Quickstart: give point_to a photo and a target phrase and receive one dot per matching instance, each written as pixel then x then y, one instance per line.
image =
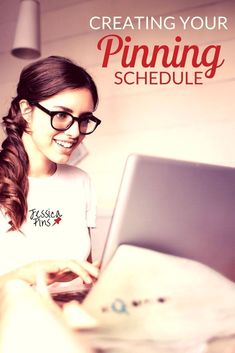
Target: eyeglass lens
pixel 63 121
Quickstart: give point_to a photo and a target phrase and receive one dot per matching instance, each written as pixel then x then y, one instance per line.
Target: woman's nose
pixel 73 131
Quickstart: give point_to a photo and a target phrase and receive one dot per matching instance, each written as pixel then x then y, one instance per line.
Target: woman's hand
pixel 72 269
pixel 55 271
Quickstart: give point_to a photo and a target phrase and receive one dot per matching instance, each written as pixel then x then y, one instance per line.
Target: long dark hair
pixel 38 81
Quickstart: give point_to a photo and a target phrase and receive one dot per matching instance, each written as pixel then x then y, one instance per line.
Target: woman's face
pixel 48 144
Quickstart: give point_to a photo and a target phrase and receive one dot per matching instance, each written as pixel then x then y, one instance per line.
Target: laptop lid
pixel 180 208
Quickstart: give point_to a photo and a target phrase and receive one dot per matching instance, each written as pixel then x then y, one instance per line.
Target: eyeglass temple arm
pixel 41 107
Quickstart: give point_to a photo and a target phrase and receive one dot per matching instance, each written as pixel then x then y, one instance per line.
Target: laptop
pixel 180 208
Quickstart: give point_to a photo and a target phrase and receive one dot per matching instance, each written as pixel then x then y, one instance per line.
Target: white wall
pixel 185 122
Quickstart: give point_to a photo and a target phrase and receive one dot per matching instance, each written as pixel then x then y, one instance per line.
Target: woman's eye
pixel 62 115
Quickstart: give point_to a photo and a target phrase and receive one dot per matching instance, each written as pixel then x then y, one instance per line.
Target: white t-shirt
pixel 61 208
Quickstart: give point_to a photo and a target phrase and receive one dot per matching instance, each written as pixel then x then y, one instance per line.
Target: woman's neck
pixel 41 171
pixel 39 164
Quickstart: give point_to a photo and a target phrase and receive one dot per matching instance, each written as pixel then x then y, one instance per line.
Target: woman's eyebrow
pixel 68 109
pixel 64 108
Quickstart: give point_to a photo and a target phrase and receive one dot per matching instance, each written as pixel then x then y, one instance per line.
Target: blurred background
pixel 184 122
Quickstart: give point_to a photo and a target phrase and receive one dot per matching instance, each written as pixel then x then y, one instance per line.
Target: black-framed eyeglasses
pixel 62 120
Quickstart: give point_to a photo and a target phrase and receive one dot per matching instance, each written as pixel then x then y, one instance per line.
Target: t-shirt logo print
pixel 45 217
pixel 57 220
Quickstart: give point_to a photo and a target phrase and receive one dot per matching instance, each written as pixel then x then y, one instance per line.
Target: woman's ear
pixel 25 109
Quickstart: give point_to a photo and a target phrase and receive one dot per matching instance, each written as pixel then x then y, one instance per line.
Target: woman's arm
pixel 54 270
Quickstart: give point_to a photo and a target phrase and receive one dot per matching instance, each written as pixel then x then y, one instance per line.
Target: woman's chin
pixel 62 159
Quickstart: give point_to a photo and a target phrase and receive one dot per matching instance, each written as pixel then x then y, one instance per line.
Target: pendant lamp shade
pixel 27 36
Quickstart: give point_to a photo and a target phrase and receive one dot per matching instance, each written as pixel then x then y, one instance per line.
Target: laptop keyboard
pixel 66 297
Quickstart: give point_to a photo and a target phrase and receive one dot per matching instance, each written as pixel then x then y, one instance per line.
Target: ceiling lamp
pixel 27 36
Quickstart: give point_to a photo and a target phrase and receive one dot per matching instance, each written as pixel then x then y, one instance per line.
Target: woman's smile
pixel 67 144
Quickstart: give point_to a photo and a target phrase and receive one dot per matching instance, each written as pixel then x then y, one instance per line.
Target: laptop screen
pixel 176 207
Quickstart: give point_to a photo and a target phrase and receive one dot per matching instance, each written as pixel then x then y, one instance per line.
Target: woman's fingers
pixel 96 263
pixel 66 270
pixel 92 269
pixel 85 270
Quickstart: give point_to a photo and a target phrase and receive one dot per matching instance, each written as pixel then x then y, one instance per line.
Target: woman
pixel 46 206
